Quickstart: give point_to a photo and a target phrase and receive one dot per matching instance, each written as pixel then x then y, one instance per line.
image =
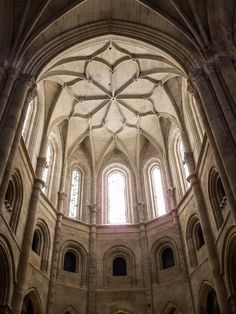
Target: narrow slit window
pixel 117 206
pixel 185 166
pixel 119 267
pixel 167 258
pixel 75 193
pixel 47 170
pixel 27 119
pixel 157 191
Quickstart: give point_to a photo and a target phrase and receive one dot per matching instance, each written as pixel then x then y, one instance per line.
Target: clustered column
pixel 206 228
pixel 92 260
pixel 19 289
pixel 145 259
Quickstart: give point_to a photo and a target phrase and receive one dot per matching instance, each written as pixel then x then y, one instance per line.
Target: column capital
pixel 92 208
pixel 41 162
pixel 188 157
pixel 140 206
pixel 61 196
pixel 11 73
pixel 26 79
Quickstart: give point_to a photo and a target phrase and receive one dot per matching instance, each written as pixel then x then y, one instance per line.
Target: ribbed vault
pixel 111 92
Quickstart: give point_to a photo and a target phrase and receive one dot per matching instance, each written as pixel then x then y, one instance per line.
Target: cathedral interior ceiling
pixel 112 90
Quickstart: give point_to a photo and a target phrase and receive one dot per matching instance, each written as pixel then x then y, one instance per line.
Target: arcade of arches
pixel 118 157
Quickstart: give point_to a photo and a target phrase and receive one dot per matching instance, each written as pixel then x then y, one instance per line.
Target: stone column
pixel 208 235
pixel 57 235
pixel 7 174
pixel 227 70
pixel 20 285
pixel 225 103
pixel 217 157
pixel 220 131
pixel 11 118
pixel 55 256
pixel 7 84
pixel 92 261
pixel 145 259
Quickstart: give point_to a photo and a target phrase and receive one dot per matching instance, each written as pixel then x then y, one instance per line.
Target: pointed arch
pixel 32 302
pixel 172 308
pixel 207 301
pixel 7 272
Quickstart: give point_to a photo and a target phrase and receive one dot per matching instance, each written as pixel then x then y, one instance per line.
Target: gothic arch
pixel 207 301
pixel 81 259
pixel 172 308
pixel 14 198
pixel 44 232
pixel 156 256
pixel 7 273
pixel 216 196
pixel 69 310
pixel 147 168
pixel 32 303
pixel 128 177
pixel 194 239
pixel 229 261
pixel 109 256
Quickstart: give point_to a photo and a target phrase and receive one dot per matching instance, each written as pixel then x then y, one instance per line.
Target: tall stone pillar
pixel 145 259
pixel 220 131
pixel 7 174
pixel 55 255
pixel 208 236
pixel 6 87
pixel 92 261
pixel 57 235
pixel 11 118
pixel 19 288
pixel 214 147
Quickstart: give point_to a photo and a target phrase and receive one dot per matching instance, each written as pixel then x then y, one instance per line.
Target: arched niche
pixel 171 308
pixel 207 302
pixel 7 274
pixel 32 303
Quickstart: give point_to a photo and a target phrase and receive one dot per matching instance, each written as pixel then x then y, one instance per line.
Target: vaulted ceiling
pixel 35 31
pixel 112 91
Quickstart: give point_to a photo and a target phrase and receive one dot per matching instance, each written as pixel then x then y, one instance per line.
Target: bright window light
pixel 157 189
pixel 47 168
pixel 185 166
pixel 74 193
pixel 116 197
pixel 27 119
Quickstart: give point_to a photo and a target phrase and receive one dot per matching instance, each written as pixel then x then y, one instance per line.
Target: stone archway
pixel 32 303
pixel 208 303
pixel 6 278
pixel 172 308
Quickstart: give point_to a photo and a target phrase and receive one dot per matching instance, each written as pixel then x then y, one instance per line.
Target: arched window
pixel 167 258
pixel 199 236
pixel 119 267
pixel 217 196
pixel 27 121
pixel 48 169
pixel 74 205
pixel 70 262
pixel 117 197
pixel 36 243
pixel 9 197
pixel 13 199
pixel 185 166
pixel 158 199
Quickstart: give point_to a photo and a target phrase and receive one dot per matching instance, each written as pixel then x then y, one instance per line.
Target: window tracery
pixel 48 169
pixel 74 205
pixel 117 202
pixel 158 199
